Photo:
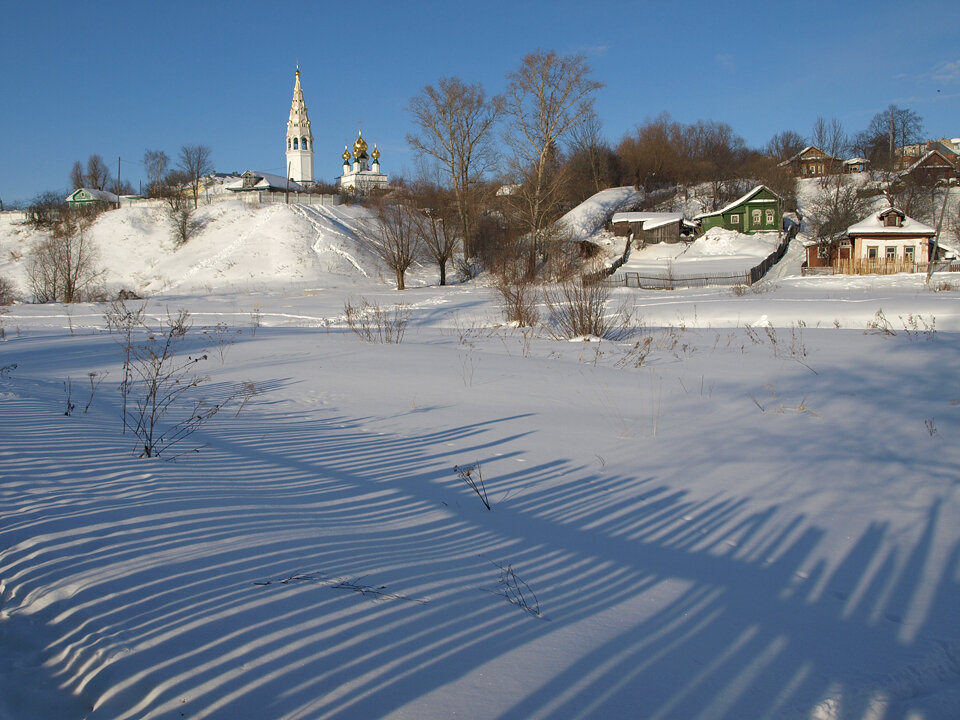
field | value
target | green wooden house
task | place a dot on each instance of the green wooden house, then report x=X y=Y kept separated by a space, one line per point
x=85 y=197
x=760 y=210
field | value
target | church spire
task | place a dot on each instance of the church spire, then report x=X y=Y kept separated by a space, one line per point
x=299 y=137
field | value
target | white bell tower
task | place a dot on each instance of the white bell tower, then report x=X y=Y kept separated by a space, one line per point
x=299 y=139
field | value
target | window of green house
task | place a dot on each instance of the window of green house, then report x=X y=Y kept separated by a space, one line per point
x=756 y=217
x=734 y=219
x=769 y=218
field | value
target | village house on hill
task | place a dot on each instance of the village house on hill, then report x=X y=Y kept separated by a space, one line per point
x=934 y=166
x=760 y=210
x=812 y=162
x=885 y=242
x=89 y=197
x=652 y=227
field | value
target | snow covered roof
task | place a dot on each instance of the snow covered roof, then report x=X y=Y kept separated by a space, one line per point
x=99 y=194
x=649 y=220
x=799 y=155
x=873 y=225
x=267 y=181
x=739 y=201
x=856 y=161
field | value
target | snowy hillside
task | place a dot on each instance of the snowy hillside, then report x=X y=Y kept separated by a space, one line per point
x=239 y=248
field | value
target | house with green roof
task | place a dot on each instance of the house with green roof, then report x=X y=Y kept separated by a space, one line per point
x=760 y=210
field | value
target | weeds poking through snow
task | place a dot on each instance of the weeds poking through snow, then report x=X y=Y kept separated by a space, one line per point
x=379 y=592
x=916 y=327
x=931 y=427
x=376 y=324
x=879 y=325
x=95 y=380
x=473 y=478
x=221 y=336
x=515 y=590
x=781 y=409
x=68 y=391
x=256 y=319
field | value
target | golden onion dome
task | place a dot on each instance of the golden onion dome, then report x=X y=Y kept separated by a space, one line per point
x=346 y=154
x=360 y=147
x=376 y=153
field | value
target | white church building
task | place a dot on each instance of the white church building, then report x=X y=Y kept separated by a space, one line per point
x=361 y=172
x=299 y=139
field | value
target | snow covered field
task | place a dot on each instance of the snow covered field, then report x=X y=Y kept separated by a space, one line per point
x=754 y=515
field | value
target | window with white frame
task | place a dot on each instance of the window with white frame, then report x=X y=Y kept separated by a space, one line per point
x=769 y=217
x=891 y=252
x=735 y=219
x=756 y=217
x=908 y=253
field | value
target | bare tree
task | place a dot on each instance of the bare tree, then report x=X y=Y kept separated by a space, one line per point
x=834 y=210
x=180 y=212
x=650 y=155
x=455 y=121
x=830 y=137
x=784 y=145
x=156 y=162
x=591 y=163
x=888 y=131
x=437 y=224
x=195 y=161
x=98 y=174
x=546 y=99
x=395 y=238
x=64 y=267
x=77 y=178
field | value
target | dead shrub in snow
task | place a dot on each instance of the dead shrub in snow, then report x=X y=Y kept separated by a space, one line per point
x=880 y=325
x=516 y=591
x=578 y=308
x=163 y=381
x=8 y=292
x=518 y=291
x=64 y=267
x=472 y=477
x=377 y=324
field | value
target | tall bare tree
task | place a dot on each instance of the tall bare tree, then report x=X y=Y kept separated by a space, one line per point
x=395 y=237
x=77 y=178
x=455 y=121
x=195 y=161
x=547 y=98
x=156 y=162
x=98 y=174
x=888 y=131
x=784 y=145
x=64 y=267
x=437 y=223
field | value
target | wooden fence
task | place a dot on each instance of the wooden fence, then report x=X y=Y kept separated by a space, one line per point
x=666 y=280
x=877 y=266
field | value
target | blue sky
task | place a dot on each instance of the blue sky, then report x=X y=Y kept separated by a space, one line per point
x=116 y=78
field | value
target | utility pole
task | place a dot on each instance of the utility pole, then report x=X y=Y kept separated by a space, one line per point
x=118 y=182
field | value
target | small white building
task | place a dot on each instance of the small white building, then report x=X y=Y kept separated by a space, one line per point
x=890 y=237
x=361 y=175
x=256 y=181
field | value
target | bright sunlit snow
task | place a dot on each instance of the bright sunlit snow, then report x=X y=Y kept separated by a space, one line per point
x=753 y=514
